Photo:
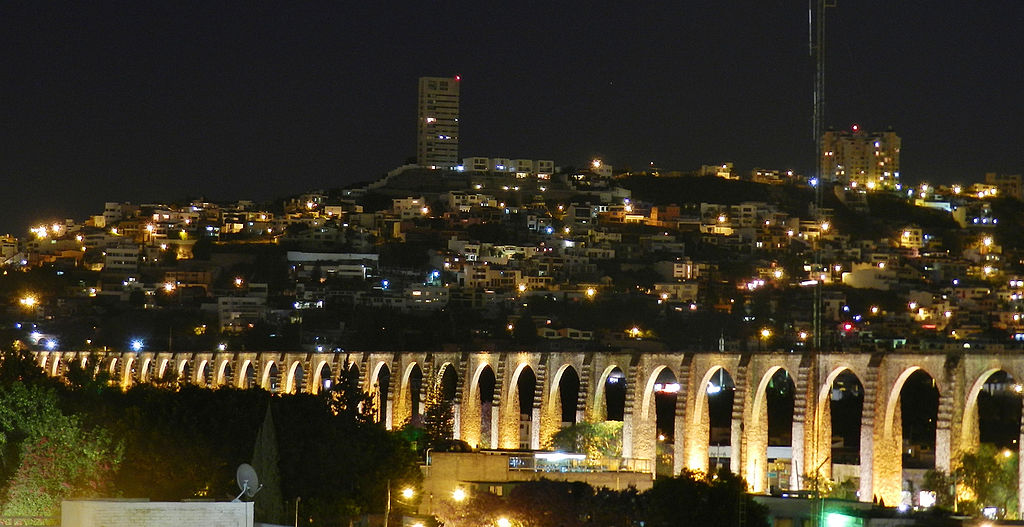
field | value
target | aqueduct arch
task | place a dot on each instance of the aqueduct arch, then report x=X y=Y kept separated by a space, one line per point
x=489 y=383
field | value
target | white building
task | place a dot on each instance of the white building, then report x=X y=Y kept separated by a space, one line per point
x=437 y=129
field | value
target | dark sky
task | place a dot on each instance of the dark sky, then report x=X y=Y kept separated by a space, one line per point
x=146 y=101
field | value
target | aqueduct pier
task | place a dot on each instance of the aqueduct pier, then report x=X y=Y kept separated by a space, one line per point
x=491 y=383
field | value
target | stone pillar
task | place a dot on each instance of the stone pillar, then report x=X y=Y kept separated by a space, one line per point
x=628 y=414
x=755 y=439
x=803 y=422
x=400 y=396
x=679 y=427
x=737 y=430
x=819 y=459
x=535 y=426
x=507 y=409
x=696 y=424
x=943 y=432
x=492 y=429
x=869 y=418
x=457 y=420
x=888 y=458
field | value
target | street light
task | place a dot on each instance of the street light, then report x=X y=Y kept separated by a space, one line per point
x=459 y=495
x=503 y=522
x=407 y=493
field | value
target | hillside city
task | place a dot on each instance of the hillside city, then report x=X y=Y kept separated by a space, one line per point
x=523 y=252
x=477 y=254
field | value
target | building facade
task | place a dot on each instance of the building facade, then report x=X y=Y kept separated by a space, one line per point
x=437 y=129
x=862 y=160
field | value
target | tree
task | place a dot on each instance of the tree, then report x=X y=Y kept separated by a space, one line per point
x=19 y=366
x=439 y=415
x=596 y=440
x=992 y=476
x=986 y=477
x=693 y=498
x=49 y=456
x=347 y=400
x=547 y=503
x=269 y=503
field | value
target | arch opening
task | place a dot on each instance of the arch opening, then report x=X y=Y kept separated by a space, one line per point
x=381 y=385
x=273 y=380
x=526 y=386
x=295 y=378
x=846 y=406
x=665 y=390
x=416 y=400
x=615 y=395
x=568 y=396
x=486 y=385
x=719 y=391
x=323 y=378
x=919 y=409
x=184 y=371
x=205 y=374
x=248 y=379
x=226 y=374
x=998 y=411
x=449 y=382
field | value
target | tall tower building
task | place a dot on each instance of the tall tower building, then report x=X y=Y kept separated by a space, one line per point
x=437 y=144
x=859 y=159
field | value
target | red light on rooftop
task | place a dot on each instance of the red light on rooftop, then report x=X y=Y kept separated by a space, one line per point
x=458 y=78
x=856 y=128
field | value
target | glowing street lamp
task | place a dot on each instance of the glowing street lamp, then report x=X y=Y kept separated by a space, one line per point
x=503 y=522
x=28 y=301
x=591 y=292
x=137 y=345
x=459 y=495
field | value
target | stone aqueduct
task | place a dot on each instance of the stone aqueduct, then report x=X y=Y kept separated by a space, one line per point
x=959 y=377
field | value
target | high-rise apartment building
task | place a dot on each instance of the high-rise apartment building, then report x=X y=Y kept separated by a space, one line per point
x=437 y=144
x=859 y=159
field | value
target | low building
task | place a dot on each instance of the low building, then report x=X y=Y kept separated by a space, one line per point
x=498 y=471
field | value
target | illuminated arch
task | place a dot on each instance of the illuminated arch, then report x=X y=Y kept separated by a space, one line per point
x=970 y=427
x=144 y=373
x=247 y=376
x=266 y=378
x=201 y=372
x=648 y=398
x=702 y=390
x=554 y=391
x=318 y=381
x=223 y=377
x=294 y=370
x=126 y=374
x=894 y=398
x=600 y=399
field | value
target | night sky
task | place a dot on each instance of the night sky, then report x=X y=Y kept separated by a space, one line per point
x=143 y=101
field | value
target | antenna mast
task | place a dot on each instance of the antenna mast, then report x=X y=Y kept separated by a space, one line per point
x=816 y=47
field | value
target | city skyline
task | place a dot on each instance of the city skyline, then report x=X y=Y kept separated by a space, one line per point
x=136 y=103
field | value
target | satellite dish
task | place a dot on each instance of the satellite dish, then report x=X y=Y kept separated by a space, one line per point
x=248 y=481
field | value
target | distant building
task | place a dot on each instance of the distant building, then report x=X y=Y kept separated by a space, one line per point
x=859 y=159
x=437 y=130
x=1007 y=185
x=724 y=171
x=522 y=168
